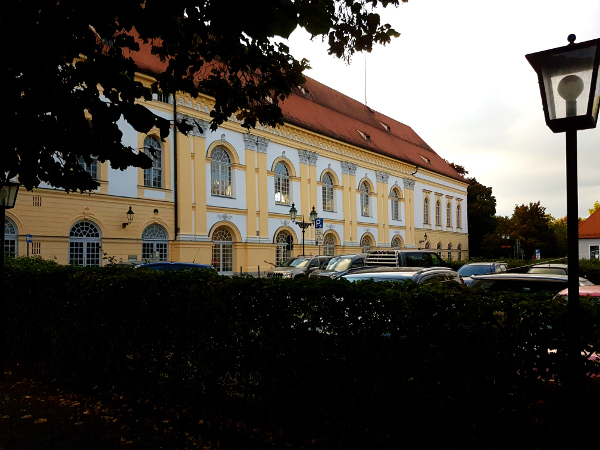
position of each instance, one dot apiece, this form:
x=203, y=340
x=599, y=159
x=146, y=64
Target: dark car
x=403, y=258
x=339, y=265
x=480, y=268
x=419, y=275
x=524, y=283
x=164, y=266
x=550, y=269
x=300, y=266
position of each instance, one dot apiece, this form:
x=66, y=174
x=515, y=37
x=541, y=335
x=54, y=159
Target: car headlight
x=287, y=275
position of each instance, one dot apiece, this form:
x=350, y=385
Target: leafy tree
x=532, y=226
x=595, y=208
x=559, y=227
x=481, y=211
x=59, y=57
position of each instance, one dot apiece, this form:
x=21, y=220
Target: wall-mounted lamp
x=129, y=217
x=424, y=239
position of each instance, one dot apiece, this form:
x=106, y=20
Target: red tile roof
x=328, y=112
x=590, y=227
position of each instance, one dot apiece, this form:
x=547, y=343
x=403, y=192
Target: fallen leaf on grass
x=40, y=421
x=27, y=416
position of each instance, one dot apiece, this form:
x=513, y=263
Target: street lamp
x=129, y=217
x=8, y=197
x=570, y=90
x=303, y=225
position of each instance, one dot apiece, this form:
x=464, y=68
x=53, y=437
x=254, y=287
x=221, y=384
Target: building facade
x=223, y=197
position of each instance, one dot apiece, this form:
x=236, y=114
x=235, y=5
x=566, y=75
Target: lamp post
x=8, y=197
x=570, y=90
x=303, y=225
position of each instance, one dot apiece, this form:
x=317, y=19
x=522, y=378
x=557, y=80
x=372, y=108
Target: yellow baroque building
x=223, y=197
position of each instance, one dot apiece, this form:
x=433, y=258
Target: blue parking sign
x=319, y=223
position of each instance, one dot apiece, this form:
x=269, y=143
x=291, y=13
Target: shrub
x=371, y=363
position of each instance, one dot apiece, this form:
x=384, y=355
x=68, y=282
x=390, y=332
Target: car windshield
x=548, y=270
x=467, y=271
x=378, y=277
x=339, y=264
x=296, y=262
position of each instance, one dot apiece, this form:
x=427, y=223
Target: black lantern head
x=313, y=215
x=293, y=212
x=129, y=217
x=8, y=194
x=569, y=85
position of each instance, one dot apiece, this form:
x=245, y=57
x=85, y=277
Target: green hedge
x=370, y=363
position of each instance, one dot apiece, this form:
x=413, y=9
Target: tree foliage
x=60, y=57
x=595, y=208
x=481, y=211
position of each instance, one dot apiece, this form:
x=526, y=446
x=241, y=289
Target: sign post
x=319, y=233
x=29, y=240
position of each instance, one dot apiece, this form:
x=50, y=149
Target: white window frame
x=153, y=176
x=282, y=184
x=221, y=181
x=328, y=197
x=365, y=207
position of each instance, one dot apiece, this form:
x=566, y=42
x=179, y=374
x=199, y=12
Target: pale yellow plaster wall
x=184, y=183
x=263, y=195
x=347, y=201
x=251, y=205
x=50, y=222
x=200, y=162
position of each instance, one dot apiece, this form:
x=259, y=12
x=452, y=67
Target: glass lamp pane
x=567, y=80
x=8, y=195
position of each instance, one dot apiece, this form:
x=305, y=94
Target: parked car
x=339, y=265
x=524, y=283
x=172, y=265
x=300, y=266
x=592, y=291
x=403, y=258
x=480, y=268
x=556, y=269
x=417, y=274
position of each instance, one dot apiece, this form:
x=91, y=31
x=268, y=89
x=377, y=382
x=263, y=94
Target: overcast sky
x=458, y=76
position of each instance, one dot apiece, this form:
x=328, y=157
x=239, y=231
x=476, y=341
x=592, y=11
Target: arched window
x=329, y=245
x=10, y=237
x=364, y=199
x=91, y=168
x=222, y=250
x=439, y=249
x=458, y=216
x=449, y=252
x=365, y=243
x=448, y=215
x=397, y=242
x=282, y=184
x=426, y=210
x=220, y=170
x=153, y=175
x=155, y=243
x=283, y=252
x=459, y=252
x=395, y=205
x=438, y=213
x=327, y=192
x=84, y=244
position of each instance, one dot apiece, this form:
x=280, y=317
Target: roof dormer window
x=427, y=160
x=386, y=127
x=365, y=136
